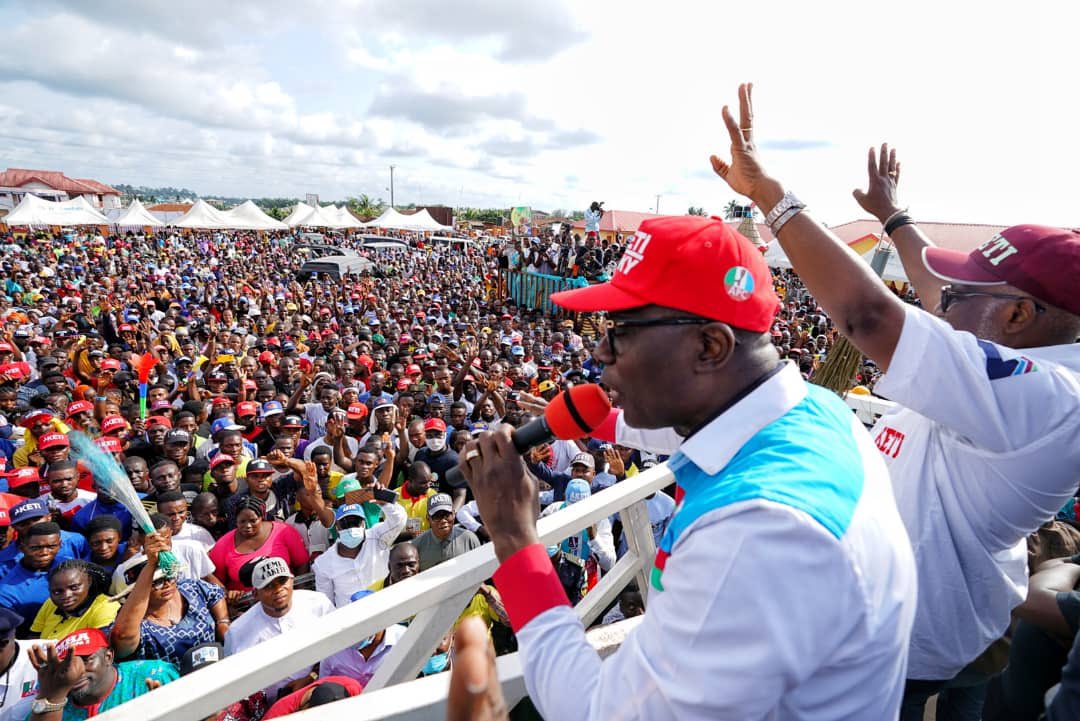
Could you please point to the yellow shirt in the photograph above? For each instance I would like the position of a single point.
(50, 625)
(415, 507)
(480, 608)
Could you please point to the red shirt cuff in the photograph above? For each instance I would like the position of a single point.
(529, 585)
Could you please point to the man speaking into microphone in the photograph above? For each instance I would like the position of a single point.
(785, 584)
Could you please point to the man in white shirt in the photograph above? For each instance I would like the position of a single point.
(784, 586)
(279, 610)
(986, 446)
(174, 506)
(18, 677)
(360, 557)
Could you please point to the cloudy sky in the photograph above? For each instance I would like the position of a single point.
(549, 103)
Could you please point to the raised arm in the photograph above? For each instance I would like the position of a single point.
(862, 307)
(880, 200)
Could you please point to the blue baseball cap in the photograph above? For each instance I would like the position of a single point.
(577, 490)
(224, 424)
(349, 509)
(33, 508)
(271, 408)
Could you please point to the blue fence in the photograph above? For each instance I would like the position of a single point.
(533, 290)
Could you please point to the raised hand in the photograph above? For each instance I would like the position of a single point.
(883, 170)
(56, 677)
(744, 173)
(475, 693)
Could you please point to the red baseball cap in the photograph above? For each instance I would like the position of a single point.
(5, 347)
(5, 519)
(435, 424)
(109, 444)
(38, 415)
(1037, 259)
(403, 384)
(266, 357)
(221, 458)
(79, 407)
(158, 421)
(247, 408)
(84, 642)
(413, 370)
(698, 265)
(357, 411)
(53, 440)
(113, 423)
(22, 476)
(110, 364)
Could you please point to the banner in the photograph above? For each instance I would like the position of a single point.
(521, 219)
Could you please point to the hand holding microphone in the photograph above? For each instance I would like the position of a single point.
(568, 416)
(493, 466)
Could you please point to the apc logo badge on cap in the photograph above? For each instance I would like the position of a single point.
(739, 283)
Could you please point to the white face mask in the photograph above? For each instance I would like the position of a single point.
(351, 537)
(436, 444)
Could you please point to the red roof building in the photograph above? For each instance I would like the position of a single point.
(99, 195)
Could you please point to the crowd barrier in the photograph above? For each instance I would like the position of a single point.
(533, 290)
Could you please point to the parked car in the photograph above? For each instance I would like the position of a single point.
(336, 266)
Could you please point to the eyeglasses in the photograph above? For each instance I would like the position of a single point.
(613, 325)
(950, 296)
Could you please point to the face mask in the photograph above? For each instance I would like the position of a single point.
(435, 664)
(351, 537)
(365, 642)
(435, 444)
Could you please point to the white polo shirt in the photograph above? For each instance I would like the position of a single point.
(985, 449)
(254, 627)
(339, 577)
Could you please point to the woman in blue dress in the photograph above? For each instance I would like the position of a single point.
(163, 617)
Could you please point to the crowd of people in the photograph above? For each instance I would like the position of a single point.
(295, 450)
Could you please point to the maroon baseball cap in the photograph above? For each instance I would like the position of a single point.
(699, 265)
(1037, 259)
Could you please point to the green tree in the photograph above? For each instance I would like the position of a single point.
(732, 210)
(696, 211)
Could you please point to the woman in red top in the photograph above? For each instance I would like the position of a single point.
(255, 536)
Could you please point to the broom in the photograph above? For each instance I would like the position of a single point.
(110, 478)
(838, 371)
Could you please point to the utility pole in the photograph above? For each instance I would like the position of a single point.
(391, 186)
(658, 204)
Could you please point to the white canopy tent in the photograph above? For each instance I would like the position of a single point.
(299, 212)
(136, 215)
(33, 210)
(775, 257)
(317, 217)
(391, 219)
(248, 216)
(205, 216)
(347, 219)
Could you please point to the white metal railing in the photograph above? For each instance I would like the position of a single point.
(434, 598)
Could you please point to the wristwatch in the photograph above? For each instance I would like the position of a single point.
(44, 705)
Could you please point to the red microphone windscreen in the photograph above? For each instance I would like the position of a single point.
(576, 412)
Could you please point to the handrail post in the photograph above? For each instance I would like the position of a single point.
(639, 539)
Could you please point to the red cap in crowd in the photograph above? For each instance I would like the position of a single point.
(221, 458)
(698, 265)
(247, 408)
(1036, 259)
(38, 415)
(110, 364)
(79, 407)
(22, 476)
(435, 424)
(158, 421)
(109, 444)
(113, 423)
(84, 642)
(357, 411)
(53, 440)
